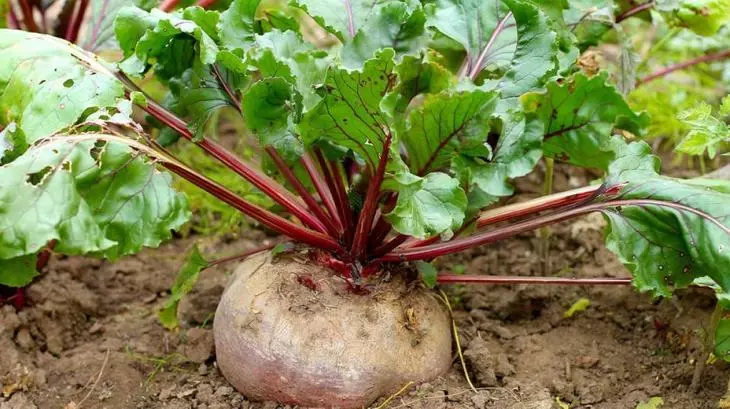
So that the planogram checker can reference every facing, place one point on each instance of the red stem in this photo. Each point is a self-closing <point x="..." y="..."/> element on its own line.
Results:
<point x="497" y="30"/>
<point x="390" y="246"/>
<point x="45" y="255"/>
<point x="12" y="18"/>
<point x="365" y="221"/>
<point x="302" y="191"/>
<point x="507" y="280"/>
<point x="27" y="12"/>
<point x="267" y="185"/>
<point x="455" y="246"/>
<point x="168" y="5"/>
<point x="72" y="30"/>
<point x="334" y="180"/>
<point x="667" y="70"/>
<point x="205" y="3"/>
<point x="277" y="223"/>
<point x="382" y="227"/>
<point x="633" y="11"/>
<point x="322" y="190"/>
<point x="341" y="190"/>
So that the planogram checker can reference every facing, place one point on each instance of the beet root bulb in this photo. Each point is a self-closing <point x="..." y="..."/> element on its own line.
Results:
<point x="291" y="332"/>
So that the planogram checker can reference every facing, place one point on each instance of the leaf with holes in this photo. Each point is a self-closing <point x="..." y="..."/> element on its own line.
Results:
<point x="349" y="113"/>
<point x="87" y="190"/>
<point x="667" y="232"/>
<point x="12" y="143"/>
<point x="46" y="85"/>
<point x="91" y="195"/>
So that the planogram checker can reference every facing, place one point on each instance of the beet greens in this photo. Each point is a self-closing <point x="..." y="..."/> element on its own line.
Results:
<point x="391" y="140"/>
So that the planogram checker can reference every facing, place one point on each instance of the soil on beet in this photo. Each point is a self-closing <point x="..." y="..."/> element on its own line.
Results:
<point x="89" y="337"/>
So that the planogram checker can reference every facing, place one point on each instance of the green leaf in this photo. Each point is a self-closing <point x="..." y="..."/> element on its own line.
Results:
<point x="680" y="236"/>
<point x="580" y="115"/>
<point x="270" y="105"/>
<point x="426" y="206"/>
<point x="169" y="41"/>
<point x="472" y="23"/>
<point x="286" y="55"/>
<point x="90" y="191"/>
<point x="704" y="17"/>
<point x="416" y="76"/>
<point x="349" y="113"/>
<point x="448" y="124"/>
<point x="346" y="18"/>
<point x="396" y="25"/>
<point x="90" y="195"/>
<point x="513" y="38"/>
<point x="722" y="339"/>
<point x="100" y="26"/>
<point x="627" y="63"/>
<point x="706" y="131"/>
<point x="428" y="273"/>
<point x="198" y="93"/>
<point x="12" y="143"/>
<point x="43" y="86"/>
<point x="184" y="283"/>
<point x="182" y="48"/>
<point x="18" y="271"/>
<point x="725" y="106"/>
<point x="589" y="20"/>
<point x="237" y="24"/>
<point x="516" y="154"/>
<point x="282" y="248"/>
<point x="535" y="57"/>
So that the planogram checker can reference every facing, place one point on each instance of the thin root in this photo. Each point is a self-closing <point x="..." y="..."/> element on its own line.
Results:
<point x="455" y="331"/>
<point x="96" y="382"/>
<point x="395" y="395"/>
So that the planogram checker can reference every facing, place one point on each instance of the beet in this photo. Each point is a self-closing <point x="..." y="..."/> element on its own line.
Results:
<point x="277" y="339"/>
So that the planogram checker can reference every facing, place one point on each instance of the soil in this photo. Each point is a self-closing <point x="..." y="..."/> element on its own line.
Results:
<point x="89" y="337"/>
